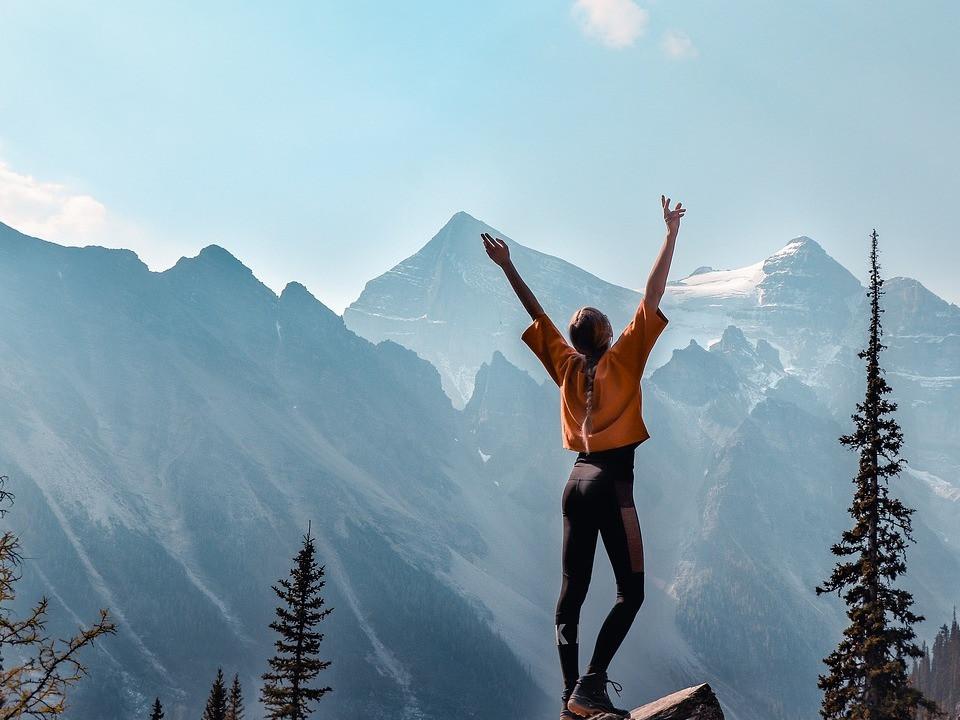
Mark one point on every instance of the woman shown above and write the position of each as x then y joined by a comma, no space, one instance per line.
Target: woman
601,418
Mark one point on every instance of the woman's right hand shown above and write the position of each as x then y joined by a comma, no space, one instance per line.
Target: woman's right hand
672,217
496,249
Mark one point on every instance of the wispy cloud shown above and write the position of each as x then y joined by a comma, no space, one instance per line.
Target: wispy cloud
678,45
47,209
615,23
53,211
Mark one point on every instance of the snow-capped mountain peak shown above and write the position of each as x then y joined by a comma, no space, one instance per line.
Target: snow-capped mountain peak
453,307
799,245
802,255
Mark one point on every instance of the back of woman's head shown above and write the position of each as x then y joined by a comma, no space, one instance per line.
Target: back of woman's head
590,333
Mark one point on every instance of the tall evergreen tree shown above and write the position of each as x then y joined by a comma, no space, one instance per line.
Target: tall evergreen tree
157,712
235,701
867,677
287,692
216,708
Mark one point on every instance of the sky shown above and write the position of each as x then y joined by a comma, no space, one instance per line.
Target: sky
324,142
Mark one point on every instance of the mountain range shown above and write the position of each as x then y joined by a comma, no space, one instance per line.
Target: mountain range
169,435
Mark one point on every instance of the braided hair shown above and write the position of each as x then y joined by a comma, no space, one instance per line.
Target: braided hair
590,332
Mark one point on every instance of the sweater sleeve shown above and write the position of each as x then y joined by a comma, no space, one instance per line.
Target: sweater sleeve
549,346
637,340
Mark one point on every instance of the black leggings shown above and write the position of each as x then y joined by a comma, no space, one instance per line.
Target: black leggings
598,499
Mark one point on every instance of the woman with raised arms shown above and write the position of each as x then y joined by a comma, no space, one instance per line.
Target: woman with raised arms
601,418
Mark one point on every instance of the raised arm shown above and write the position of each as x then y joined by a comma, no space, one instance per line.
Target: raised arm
657,282
499,252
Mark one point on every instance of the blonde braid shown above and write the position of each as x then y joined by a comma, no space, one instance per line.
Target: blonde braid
590,333
590,370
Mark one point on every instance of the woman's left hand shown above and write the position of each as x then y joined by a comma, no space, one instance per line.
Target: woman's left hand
496,248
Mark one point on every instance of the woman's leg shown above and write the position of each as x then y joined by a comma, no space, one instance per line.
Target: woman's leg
620,530
579,546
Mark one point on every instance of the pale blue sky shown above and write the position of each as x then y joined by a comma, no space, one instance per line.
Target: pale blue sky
324,142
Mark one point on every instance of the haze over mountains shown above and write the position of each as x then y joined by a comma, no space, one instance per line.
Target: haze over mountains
170,434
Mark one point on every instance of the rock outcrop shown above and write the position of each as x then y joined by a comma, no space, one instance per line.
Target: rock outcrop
693,703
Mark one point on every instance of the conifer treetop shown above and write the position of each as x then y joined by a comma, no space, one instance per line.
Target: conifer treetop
157,712
235,700
288,690
216,708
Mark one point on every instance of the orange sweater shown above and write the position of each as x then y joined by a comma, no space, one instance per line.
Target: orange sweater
617,402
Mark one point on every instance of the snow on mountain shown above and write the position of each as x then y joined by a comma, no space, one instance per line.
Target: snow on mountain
799,300
940,486
705,282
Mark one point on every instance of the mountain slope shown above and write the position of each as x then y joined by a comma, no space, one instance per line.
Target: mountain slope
169,436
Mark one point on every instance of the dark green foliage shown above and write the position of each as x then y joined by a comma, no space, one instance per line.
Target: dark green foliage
937,673
867,677
287,691
235,701
157,712
217,701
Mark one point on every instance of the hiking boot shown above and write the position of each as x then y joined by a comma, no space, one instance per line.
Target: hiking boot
565,713
590,697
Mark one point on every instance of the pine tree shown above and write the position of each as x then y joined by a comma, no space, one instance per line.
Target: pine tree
867,677
216,708
287,692
157,713
235,701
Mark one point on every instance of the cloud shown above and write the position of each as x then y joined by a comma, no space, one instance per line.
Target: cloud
615,23
47,209
678,45
55,212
